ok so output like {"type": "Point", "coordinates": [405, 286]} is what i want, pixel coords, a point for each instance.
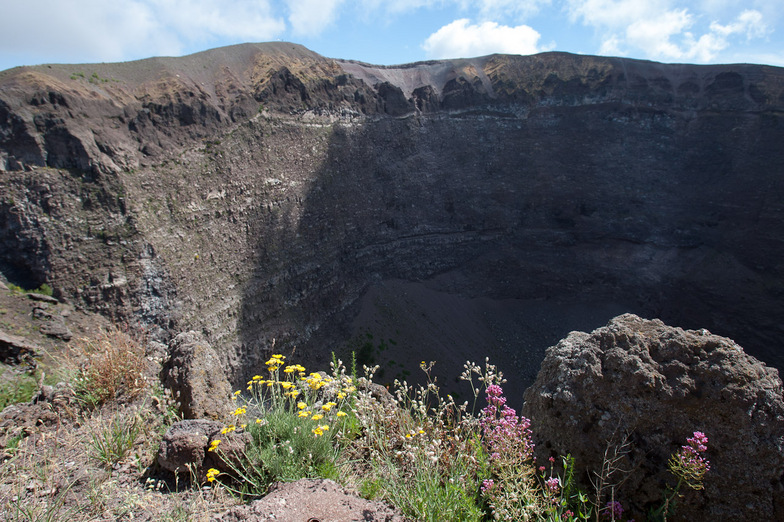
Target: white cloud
{"type": "Point", "coordinates": [613, 13]}
{"type": "Point", "coordinates": [311, 17]}
{"type": "Point", "coordinates": [461, 39]}
{"type": "Point", "coordinates": [203, 20]}
{"type": "Point", "coordinates": [97, 30]}
{"type": "Point", "coordinates": [661, 30]}
{"type": "Point", "coordinates": [749, 22]}
{"type": "Point", "coordinates": [654, 34]}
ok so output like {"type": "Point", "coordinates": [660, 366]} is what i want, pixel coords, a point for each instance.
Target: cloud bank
{"type": "Point", "coordinates": [461, 39]}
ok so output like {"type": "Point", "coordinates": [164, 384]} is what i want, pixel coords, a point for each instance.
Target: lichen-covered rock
{"type": "Point", "coordinates": [658, 384]}
{"type": "Point", "coordinates": [311, 499]}
{"type": "Point", "coordinates": [196, 378]}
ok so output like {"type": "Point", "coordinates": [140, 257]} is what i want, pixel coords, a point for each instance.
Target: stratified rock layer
{"type": "Point", "coordinates": [658, 384]}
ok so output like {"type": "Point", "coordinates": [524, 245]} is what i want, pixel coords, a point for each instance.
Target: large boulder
{"type": "Point", "coordinates": [196, 378]}
{"type": "Point", "coordinates": [657, 385]}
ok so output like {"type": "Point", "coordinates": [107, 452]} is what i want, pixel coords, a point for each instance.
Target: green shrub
{"type": "Point", "coordinates": [16, 388]}
{"type": "Point", "coordinates": [112, 442]}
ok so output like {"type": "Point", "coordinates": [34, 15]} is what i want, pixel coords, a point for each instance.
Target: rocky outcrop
{"type": "Point", "coordinates": [195, 377]}
{"type": "Point", "coordinates": [51, 406]}
{"type": "Point", "coordinates": [656, 385]}
{"type": "Point", "coordinates": [185, 447]}
{"type": "Point", "coordinates": [18, 350]}
{"type": "Point", "coordinates": [312, 500]}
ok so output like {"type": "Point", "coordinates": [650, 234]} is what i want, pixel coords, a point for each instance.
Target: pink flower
{"type": "Point", "coordinates": [553, 485]}
{"type": "Point", "coordinates": [614, 508]}
{"type": "Point", "coordinates": [487, 485]}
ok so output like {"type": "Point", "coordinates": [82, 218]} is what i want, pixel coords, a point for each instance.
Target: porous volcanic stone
{"type": "Point", "coordinates": [659, 384]}
{"type": "Point", "coordinates": [196, 378]}
{"type": "Point", "coordinates": [185, 443]}
{"type": "Point", "coordinates": [311, 499]}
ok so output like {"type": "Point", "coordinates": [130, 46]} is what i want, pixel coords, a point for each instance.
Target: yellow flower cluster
{"type": "Point", "coordinates": [297, 387]}
{"type": "Point", "coordinates": [275, 362]}
{"type": "Point", "coordinates": [228, 429]}
{"type": "Point", "coordinates": [212, 474]}
{"type": "Point", "coordinates": [214, 444]}
{"type": "Point", "coordinates": [320, 429]}
{"type": "Point", "coordinates": [412, 434]}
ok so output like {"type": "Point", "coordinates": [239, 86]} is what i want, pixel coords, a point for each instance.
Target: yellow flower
{"type": "Point", "coordinates": [421, 432]}
{"type": "Point", "coordinates": [286, 385]}
{"type": "Point", "coordinates": [293, 393]}
{"type": "Point", "coordinates": [301, 405]}
{"type": "Point", "coordinates": [326, 407]}
{"type": "Point", "coordinates": [228, 429]}
{"type": "Point", "coordinates": [341, 414]}
{"type": "Point", "coordinates": [303, 413]}
{"type": "Point", "coordinates": [317, 416]}
{"type": "Point", "coordinates": [212, 474]}
{"type": "Point", "coordinates": [408, 435]}
{"type": "Point", "coordinates": [257, 377]}
{"type": "Point", "coordinates": [214, 444]}
{"type": "Point", "coordinates": [258, 421]}
{"type": "Point", "coordinates": [237, 392]}
{"type": "Point", "coordinates": [341, 395]}
{"type": "Point", "coordinates": [239, 411]}
{"type": "Point", "coordinates": [278, 356]}
{"type": "Point", "coordinates": [243, 426]}
{"type": "Point", "coordinates": [319, 430]}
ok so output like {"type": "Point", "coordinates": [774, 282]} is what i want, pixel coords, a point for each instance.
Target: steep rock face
{"type": "Point", "coordinates": [256, 192]}
{"type": "Point", "coordinates": [657, 384]}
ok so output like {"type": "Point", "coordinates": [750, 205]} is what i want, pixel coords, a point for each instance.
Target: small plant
{"type": "Point", "coordinates": [16, 388]}
{"type": "Point", "coordinates": [295, 421]}
{"type": "Point", "coordinates": [113, 442]}
{"type": "Point", "coordinates": [689, 465]}
{"type": "Point", "coordinates": [512, 493]}
{"type": "Point", "coordinates": [113, 367]}
{"type": "Point", "coordinates": [44, 289]}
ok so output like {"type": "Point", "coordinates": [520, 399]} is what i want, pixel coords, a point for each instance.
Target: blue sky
{"type": "Point", "coordinates": [395, 31]}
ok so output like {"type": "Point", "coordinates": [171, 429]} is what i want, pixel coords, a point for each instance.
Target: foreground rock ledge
{"type": "Point", "coordinates": [307, 499]}
{"type": "Point", "coordinates": [658, 384]}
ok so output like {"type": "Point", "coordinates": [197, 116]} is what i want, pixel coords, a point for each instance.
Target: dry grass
{"type": "Point", "coordinates": [112, 365]}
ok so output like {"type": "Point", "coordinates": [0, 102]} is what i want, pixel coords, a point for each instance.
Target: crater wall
{"type": "Point", "coordinates": [267, 196]}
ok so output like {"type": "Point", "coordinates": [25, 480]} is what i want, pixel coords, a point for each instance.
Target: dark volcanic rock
{"type": "Point", "coordinates": [185, 447]}
{"type": "Point", "coordinates": [657, 385]}
{"type": "Point", "coordinates": [194, 375]}
{"type": "Point", "coordinates": [17, 350]}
